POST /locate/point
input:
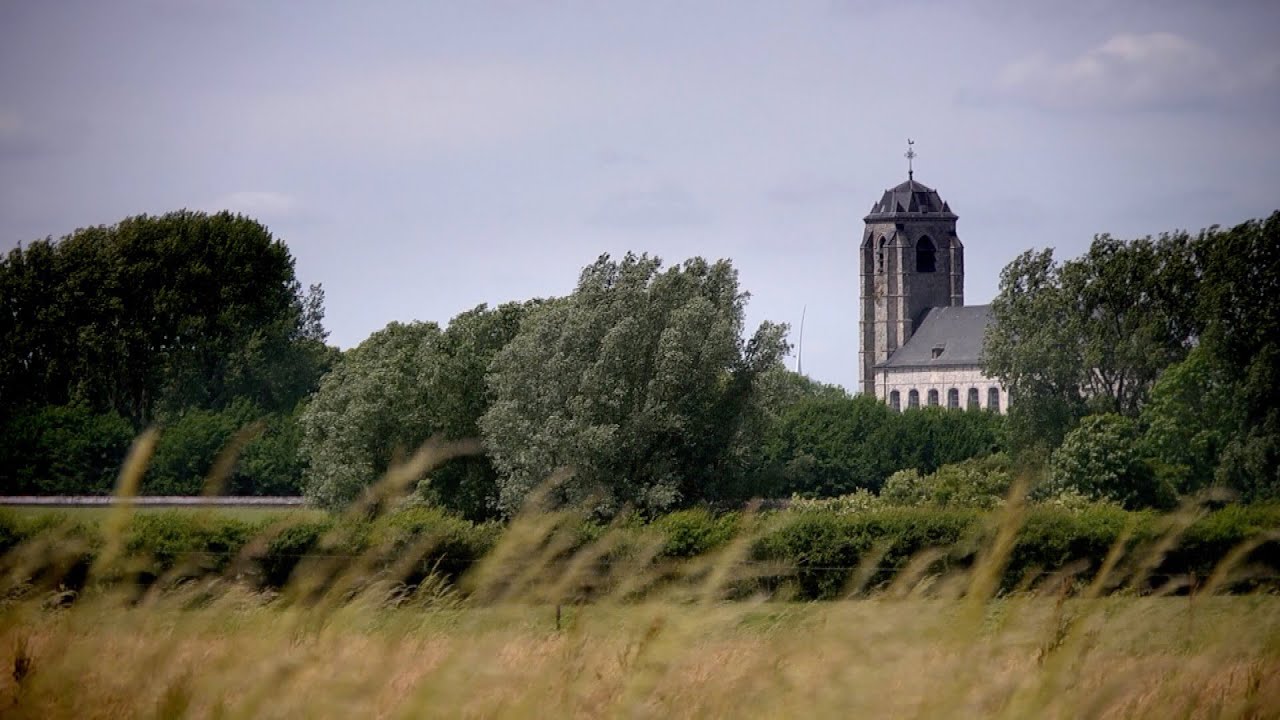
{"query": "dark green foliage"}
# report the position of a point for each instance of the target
(271, 464)
(824, 548)
(62, 450)
(1089, 334)
(184, 320)
(640, 381)
(1180, 331)
(823, 447)
(189, 446)
(155, 315)
(826, 447)
(402, 386)
(288, 546)
(203, 542)
(928, 438)
(976, 483)
(695, 531)
(815, 553)
(1193, 413)
(1240, 314)
(1102, 459)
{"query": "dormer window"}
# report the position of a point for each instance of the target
(937, 351)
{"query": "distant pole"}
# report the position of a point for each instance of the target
(800, 343)
(911, 155)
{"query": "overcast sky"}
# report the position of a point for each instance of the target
(420, 158)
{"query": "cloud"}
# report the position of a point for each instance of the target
(416, 107)
(18, 139)
(811, 189)
(259, 204)
(1150, 71)
(659, 207)
(10, 123)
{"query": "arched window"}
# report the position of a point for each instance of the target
(993, 398)
(913, 399)
(953, 399)
(974, 402)
(895, 400)
(933, 398)
(926, 256)
(880, 254)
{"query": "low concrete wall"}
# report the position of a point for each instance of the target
(153, 501)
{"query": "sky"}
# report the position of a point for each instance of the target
(420, 158)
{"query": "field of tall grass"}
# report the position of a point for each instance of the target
(548, 623)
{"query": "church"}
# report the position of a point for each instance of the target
(919, 344)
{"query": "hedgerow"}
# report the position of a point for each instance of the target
(807, 554)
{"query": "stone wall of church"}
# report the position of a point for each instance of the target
(940, 380)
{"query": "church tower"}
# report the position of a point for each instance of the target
(912, 260)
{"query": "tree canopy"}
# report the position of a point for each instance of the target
(146, 322)
(1180, 333)
(402, 386)
(639, 383)
(156, 314)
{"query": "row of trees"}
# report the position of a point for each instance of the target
(191, 322)
(1151, 367)
(1142, 370)
(640, 381)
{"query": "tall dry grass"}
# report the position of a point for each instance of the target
(348, 638)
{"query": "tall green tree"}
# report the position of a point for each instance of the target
(822, 447)
(1193, 414)
(1240, 314)
(1090, 334)
(640, 383)
(1102, 459)
(402, 386)
(157, 314)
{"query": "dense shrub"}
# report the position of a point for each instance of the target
(62, 450)
(976, 483)
(813, 552)
(694, 532)
(204, 542)
(1102, 459)
(268, 464)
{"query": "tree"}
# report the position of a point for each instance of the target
(154, 315)
(927, 438)
(1238, 309)
(400, 387)
(639, 382)
(368, 408)
(824, 447)
(1102, 459)
(1030, 348)
(977, 483)
(1193, 413)
(1090, 334)
(62, 450)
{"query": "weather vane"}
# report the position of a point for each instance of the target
(911, 154)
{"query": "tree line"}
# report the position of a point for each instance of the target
(642, 389)
(1147, 369)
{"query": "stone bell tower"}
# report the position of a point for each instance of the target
(912, 260)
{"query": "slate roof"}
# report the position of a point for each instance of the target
(958, 331)
(910, 198)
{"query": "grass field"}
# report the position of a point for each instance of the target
(1018, 658)
(346, 637)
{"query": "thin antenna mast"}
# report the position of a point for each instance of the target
(800, 343)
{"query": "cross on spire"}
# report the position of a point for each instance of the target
(910, 155)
